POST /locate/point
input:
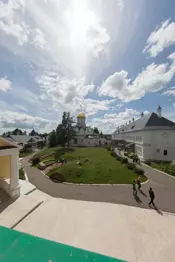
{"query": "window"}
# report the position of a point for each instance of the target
(165, 152)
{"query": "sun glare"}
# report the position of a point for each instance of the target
(80, 19)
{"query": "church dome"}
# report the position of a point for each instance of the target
(81, 115)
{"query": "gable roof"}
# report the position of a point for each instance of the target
(149, 121)
(7, 143)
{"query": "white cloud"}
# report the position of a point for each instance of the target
(5, 85)
(12, 24)
(20, 107)
(170, 91)
(172, 56)
(110, 122)
(91, 106)
(10, 120)
(161, 38)
(152, 79)
(174, 104)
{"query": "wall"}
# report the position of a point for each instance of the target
(156, 141)
(5, 166)
(149, 142)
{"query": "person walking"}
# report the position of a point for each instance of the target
(134, 188)
(152, 196)
(139, 183)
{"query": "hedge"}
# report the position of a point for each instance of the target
(130, 165)
(139, 171)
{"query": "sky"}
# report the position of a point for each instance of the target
(110, 59)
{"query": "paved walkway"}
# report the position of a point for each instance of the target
(164, 187)
(129, 233)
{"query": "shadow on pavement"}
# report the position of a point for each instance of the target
(137, 198)
(157, 210)
(141, 192)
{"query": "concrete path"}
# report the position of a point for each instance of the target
(163, 186)
(128, 233)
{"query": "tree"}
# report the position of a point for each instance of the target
(65, 131)
(53, 139)
(17, 132)
(96, 131)
(33, 133)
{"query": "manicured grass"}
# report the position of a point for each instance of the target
(165, 167)
(23, 154)
(47, 150)
(102, 168)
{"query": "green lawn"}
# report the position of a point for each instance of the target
(47, 150)
(24, 154)
(102, 168)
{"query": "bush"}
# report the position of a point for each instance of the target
(147, 162)
(139, 171)
(21, 174)
(108, 148)
(132, 155)
(124, 160)
(113, 153)
(131, 166)
(118, 158)
(171, 170)
(35, 161)
(57, 177)
(126, 154)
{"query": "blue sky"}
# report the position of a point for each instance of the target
(113, 59)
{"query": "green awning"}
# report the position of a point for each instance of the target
(16, 246)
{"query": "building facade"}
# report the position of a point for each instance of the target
(152, 137)
(85, 134)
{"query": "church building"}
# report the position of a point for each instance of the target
(85, 134)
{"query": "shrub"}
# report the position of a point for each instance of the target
(35, 160)
(147, 162)
(172, 170)
(118, 158)
(57, 177)
(113, 153)
(21, 174)
(139, 171)
(131, 166)
(124, 160)
(132, 155)
(126, 154)
(108, 147)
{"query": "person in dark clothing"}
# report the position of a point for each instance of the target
(152, 196)
(134, 188)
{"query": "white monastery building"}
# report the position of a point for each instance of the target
(85, 134)
(152, 137)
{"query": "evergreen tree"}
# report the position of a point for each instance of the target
(96, 131)
(33, 133)
(65, 131)
(17, 132)
(53, 139)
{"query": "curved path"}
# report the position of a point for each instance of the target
(163, 185)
